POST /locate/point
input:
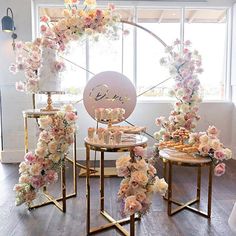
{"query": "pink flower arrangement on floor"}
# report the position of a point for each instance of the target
(40, 168)
(77, 24)
(139, 183)
(184, 66)
(209, 145)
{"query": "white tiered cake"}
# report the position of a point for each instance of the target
(50, 80)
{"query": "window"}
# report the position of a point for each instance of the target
(137, 54)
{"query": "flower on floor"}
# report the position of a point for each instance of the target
(184, 66)
(139, 183)
(40, 168)
(209, 145)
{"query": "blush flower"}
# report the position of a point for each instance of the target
(138, 178)
(219, 169)
(139, 151)
(132, 205)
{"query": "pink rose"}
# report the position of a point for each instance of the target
(44, 19)
(30, 157)
(212, 131)
(219, 155)
(20, 86)
(71, 116)
(132, 205)
(219, 169)
(59, 66)
(51, 176)
(37, 182)
(139, 151)
(43, 28)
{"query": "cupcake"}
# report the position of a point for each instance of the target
(117, 137)
(100, 134)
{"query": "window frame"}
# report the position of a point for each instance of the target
(134, 5)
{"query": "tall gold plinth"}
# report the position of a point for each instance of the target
(112, 223)
(35, 114)
(171, 158)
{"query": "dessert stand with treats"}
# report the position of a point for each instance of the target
(109, 98)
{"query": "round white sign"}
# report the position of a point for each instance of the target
(109, 89)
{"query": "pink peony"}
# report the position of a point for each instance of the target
(132, 206)
(30, 157)
(219, 169)
(138, 178)
(139, 151)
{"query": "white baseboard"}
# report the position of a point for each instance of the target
(17, 156)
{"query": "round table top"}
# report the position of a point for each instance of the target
(127, 141)
(178, 157)
(38, 112)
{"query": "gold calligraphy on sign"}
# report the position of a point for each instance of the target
(102, 93)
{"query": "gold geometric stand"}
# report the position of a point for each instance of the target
(52, 200)
(112, 223)
(170, 161)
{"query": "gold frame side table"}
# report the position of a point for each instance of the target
(35, 114)
(117, 224)
(171, 157)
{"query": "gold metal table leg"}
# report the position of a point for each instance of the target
(88, 188)
(74, 166)
(169, 188)
(26, 139)
(63, 186)
(199, 174)
(209, 190)
(102, 182)
(132, 225)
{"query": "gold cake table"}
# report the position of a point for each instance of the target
(35, 114)
(125, 146)
(172, 157)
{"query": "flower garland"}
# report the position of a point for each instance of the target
(41, 167)
(209, 145)
(77, 24)
(184, 66)
(139, 182)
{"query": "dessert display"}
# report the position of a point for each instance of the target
(109, 115)
(128, 129)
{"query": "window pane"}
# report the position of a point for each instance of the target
(166, 25)
(206, 29)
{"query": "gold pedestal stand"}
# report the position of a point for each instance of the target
(190, 161)
(49, 106)
(52, 200)
(112, 223)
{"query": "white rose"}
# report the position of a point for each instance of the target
(228, 153)
(40, 151)
(184, 108)
(52, 147)
(44, 122)
(68, 108)
(55, 157)
(215, 144)
(204, 139)
(23, 167)
(160, 186)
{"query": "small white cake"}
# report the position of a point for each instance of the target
(50, 80)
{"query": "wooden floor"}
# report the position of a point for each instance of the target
(49, 221)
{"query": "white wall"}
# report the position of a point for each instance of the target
(219, 114)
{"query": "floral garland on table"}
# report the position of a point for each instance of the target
(77, 24)
(184, 66)
(139, 182)
(41, 167)
(209, 145)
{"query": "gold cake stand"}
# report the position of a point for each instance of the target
(113, 223)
